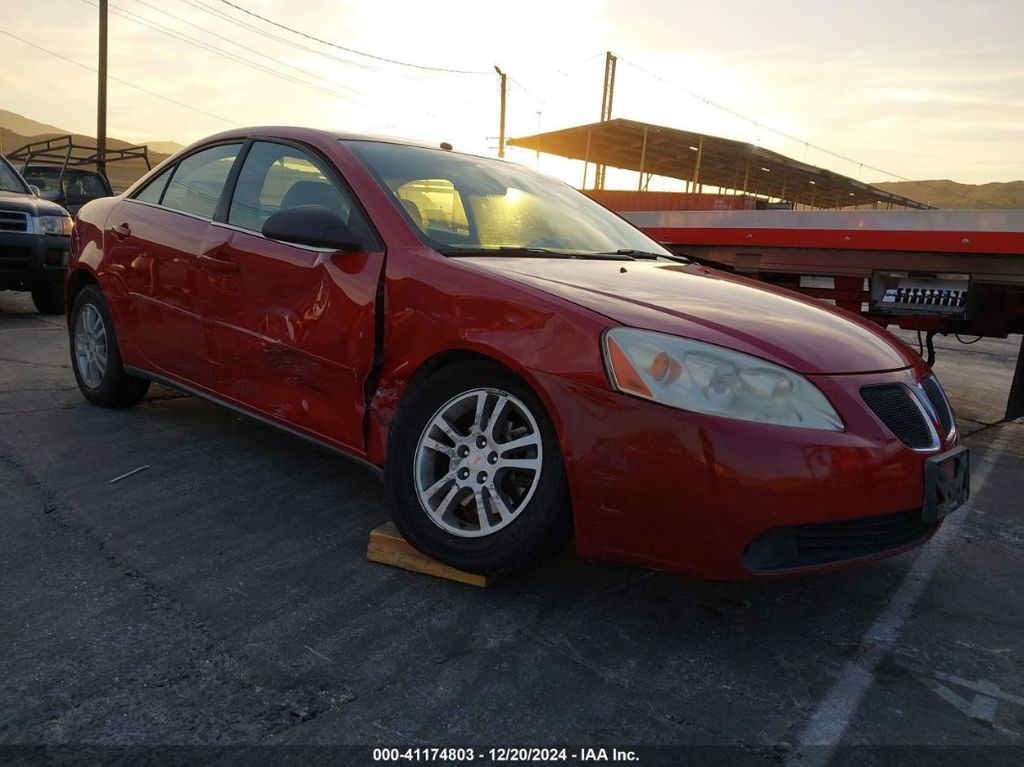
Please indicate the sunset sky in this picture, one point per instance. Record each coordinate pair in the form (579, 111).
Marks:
(923, 90)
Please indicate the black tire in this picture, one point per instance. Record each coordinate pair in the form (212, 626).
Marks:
(48, 297)
(115, 387)
(540, 526)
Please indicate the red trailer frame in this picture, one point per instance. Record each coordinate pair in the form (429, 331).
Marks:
(848, 257)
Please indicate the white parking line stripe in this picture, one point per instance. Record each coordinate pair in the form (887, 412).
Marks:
(833, 714)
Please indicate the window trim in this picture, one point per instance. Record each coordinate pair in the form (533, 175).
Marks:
(169, 170)
(173, 167)
(331, 171)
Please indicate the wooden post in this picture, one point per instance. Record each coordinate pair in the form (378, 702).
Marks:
(501, 124)
(101, 95)
(607, 96)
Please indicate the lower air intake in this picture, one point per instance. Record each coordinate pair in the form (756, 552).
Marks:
(788, 548)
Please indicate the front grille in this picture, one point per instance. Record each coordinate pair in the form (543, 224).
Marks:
(15, 259)
(786, 548)
(896, 408)
(939, 403)
(12, 221)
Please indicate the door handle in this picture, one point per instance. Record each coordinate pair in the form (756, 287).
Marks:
(122, 231)
(217, 264)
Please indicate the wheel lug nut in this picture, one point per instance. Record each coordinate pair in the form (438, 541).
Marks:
(463, 451)
(481, 441)
(463, 473)
(481, 477)
(492, 458)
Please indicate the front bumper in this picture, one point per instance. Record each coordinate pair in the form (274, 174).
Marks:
(27, 259)
(663, 488)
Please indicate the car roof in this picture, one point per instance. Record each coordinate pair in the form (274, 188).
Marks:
(300, 133)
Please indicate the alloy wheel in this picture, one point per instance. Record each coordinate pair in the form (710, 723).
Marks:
(478, 462)
(91, 346)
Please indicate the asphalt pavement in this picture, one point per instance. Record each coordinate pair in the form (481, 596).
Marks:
(221, 597)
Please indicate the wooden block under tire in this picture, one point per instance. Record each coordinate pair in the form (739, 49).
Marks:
(388, 547)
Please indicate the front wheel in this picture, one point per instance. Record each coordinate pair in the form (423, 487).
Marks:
(474, 473)
(95, 356)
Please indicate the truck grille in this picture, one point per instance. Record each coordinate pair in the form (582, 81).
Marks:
(896, 407)
(13, 221)
(786, 548)
(939, 403)
(15, 260)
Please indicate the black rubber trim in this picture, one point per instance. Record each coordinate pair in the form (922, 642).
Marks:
(170, 382)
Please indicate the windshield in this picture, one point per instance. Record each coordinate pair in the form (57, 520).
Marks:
(460, 202)
(9, 180)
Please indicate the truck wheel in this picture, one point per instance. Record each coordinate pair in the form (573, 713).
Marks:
(474, 473)
(95, 357)
(48, 297)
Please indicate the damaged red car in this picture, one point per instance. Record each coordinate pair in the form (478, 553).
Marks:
(522, 365)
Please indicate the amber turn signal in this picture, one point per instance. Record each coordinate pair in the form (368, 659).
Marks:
(624, 374)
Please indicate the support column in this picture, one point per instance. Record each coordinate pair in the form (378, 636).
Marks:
(696, 166)
(586, 161)
(643, 159)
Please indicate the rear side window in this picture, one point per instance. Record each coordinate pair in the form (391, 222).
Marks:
(154, 190)
(276, 177)
(85, 185)
(199, 179)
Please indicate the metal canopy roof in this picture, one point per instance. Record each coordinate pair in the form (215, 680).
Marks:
(710, 160)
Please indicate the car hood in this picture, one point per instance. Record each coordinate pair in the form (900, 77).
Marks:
(29, 203)
(707, 305)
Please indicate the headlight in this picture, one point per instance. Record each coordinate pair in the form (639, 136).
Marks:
(704, 378)
(54, 225)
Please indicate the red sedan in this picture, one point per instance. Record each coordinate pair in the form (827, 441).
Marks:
(521, 363)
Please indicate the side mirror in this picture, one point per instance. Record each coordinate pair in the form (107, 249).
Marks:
(34, 189)
(312, 225)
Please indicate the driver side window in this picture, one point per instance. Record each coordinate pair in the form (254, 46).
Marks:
(277, 177)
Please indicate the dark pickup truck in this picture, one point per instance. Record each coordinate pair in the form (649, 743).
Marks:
(35, 237)
(70, 188)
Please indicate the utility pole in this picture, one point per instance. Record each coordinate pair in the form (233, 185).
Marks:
(101, 95)
(607, 94)
(501, 129)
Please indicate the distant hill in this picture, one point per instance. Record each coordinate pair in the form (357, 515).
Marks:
(165, 147)
(24, 126)
(944, 193)
(16, 131)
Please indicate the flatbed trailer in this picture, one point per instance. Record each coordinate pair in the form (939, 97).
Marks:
(934, 271)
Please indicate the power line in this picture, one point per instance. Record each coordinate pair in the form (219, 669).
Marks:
(202, 6)
(181, 37)
(353, 50)
(119, 80)
(783, 134)
(757, 123)
(216, 13)
(232, 42)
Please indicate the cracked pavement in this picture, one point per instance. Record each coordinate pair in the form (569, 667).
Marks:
(223, 597)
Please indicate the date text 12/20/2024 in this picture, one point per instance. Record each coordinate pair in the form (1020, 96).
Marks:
(506, 754)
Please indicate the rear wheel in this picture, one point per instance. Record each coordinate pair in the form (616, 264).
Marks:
(474, 473)
(48, 297)
(95, 357)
